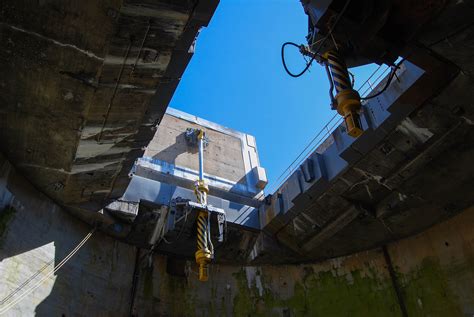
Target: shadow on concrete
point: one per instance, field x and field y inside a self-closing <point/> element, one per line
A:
<point x="180" y="146"/>
<point x="38" y="235"/>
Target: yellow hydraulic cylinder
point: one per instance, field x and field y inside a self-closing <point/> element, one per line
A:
<point x="203" y="254"/>
<point x="347" y="99"/>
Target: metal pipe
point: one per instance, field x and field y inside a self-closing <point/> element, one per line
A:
<point x="203" y="254"/>
<point x="201" y="157"/>
<point x="114" y="93"/>
<point x="135" y="277"/>
<point x="395" y="283"/>
<point x="141" y="47"/>
<point x="331" y="87"/>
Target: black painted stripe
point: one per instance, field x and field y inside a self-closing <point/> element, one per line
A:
<point x="336" y="58"/>
<point x="341" y="80"/>
<point x="202" y="224"/>
<point x="341" y="75"/>
<point x="201" y="242"/>
<point x="340" y="86"/>
<point x="339" y="71"/>
<point x="337" y="63"/>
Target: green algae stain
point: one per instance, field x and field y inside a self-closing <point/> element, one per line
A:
<point x="6" y="215"/>
<point x="320" y="294"/>
<point x="212" y="303"/>
<point x="427" y="293"/>
<point x="329" y="295"/>
<point x="181" y="297"/>
<point x="223" y="306"/>
<point x="244" y="299"/>
<point x="247" y="301"/>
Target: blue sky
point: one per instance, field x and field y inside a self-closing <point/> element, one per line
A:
<point x="236" y="79"/>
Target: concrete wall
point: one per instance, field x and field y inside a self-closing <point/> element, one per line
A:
<point x="434" y="271"/>
<point x="436" y="268"/>
<point x="345" y="287"/>
<point x="223" y="155"/>
<point x="35" y="233"/>
<point x="230" y="158"/>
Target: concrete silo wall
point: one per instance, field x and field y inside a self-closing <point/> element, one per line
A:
<point x="434" y="272"/>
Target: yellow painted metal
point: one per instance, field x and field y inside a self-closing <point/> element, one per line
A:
<point x="201" y="190"/>
<point x="203" y="255"/>
<point x="347" y="99"/>
<point x="200" y="135"/>
<point x="348" y="106"/>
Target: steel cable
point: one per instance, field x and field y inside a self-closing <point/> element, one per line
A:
<point x="42" y="280"/>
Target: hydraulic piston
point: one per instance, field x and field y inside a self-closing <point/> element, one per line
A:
<point x="347" y="100"/>
<point x="205" y="251"/>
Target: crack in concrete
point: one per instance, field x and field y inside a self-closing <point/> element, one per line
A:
<point x="369" y="176"/>
<point x="409" y="128"/>
<point x="85" y="52"/>
<point x="345" y="181"/>
<point x="61" y="170"/>
<point x="467" y="120"/>
<point x="368" y="191"/>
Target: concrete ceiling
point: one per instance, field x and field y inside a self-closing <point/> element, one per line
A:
<point x="84" y="84"/>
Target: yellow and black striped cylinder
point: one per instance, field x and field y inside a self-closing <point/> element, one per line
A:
<point x="202" y="231"/>
<point x="203" y="254"/>
<point x="339" y="72"/>
<point x="347" y="99"/>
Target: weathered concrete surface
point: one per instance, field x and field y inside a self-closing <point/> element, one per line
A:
<point x="35" y="234"/>
<point x="230" y="157"/>
<point x="77" y="93"/>
<point x="358" y="285"/>
<point x="223" y="155"/>
<point x="434" y="269"/>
